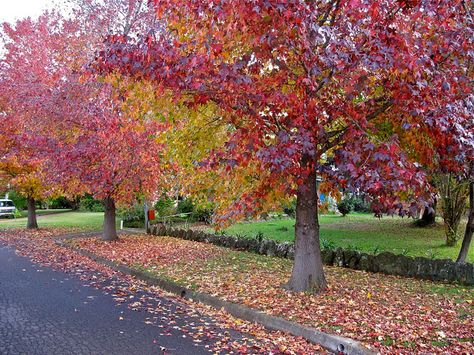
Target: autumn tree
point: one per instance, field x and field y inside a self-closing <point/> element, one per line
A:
<point x="20" y="166"/>
<point x="26" y="177"/>
<point x="93" y="138"/>
<point x="111" y="150"/>
<point x="310" y="89"/>
<point x="442" y="139"/>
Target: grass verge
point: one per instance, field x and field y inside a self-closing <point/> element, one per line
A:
<point x="80" y="220"/>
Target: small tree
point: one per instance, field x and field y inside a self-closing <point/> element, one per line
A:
<point x="454" y="196"/>
<point x="345" y="206"/>
<point x="20" y="166"/>
<point x="27" y="180"/>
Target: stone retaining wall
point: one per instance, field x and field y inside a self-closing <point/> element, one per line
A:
<point x="387" y="263"/>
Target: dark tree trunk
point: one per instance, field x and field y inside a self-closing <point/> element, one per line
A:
<point x="32" y="222"/>
<point x="307" y="273"/>
<point x="75" y="203"/>
<point x="429" y="215"/>
<point x="110" y="229"/>
<point x="466" y="242"/>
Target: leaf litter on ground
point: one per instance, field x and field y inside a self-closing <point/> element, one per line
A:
<point x="215" y="330"/>
<point x="387" y="313"/>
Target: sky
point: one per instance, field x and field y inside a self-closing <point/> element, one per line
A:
<point x="12" y="10"/>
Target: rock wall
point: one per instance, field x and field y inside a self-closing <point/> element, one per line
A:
<point x="387" y="263"/>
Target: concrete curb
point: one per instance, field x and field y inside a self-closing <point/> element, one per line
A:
<point x="333" y="343"/>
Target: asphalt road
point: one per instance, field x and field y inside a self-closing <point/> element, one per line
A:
<point x="50" y="312"/>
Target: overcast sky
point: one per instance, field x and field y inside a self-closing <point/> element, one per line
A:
<point x="12" y="10"/>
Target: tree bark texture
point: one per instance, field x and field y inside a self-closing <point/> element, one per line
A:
<point x="307" y="273"/>
<point x="32" y="222"/>
<point x="429" y="215"/>
<point x="466" y="242"/>
<point x="110" y="229"/>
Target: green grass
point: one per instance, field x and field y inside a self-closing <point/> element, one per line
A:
<point x="356" y="231"/>
<point x="365" y="233"/>
<point x="45" y="212"/>
<point x="83" y="220"/>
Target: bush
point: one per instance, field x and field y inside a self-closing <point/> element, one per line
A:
<point x="164" y="207"/>
<point x="203" y="214"/>
<point x="327" y="244"/>
<point x="290" y="208"/>
<point x="345" y="206"/>
<point x="185" y="206"/>
<point x="60" y="203"/>
<point x="360" y="205"/>
<point x="89" y="204"/>
<point x="133" y="217"/>
<point x="19" y="201"/>
<point x="324" y="207"/>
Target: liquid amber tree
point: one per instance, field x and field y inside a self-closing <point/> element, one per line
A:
<point x="310" y="89"/>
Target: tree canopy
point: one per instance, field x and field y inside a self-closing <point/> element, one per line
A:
<point x="315" y="89"/>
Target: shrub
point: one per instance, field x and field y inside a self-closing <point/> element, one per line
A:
<point x="203" y="214"/>
<point x="19" y="201"/>
<point x="89" y="204"/>
<point x="133" y="217"/>
<point x="185" y="206"/>
<point x="345" y="206"/>
<point x="59" y="203"/>
<point x="259" y="236"/>
<point x="290" y="208"/>
<point x="164" y="207"/>
<point x="324" y="207"/>
<point x="360" y="204"/>
<point x="327" y="244"/>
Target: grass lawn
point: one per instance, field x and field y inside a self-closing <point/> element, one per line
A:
<point x="45" y="212"/>
<point x="365" y="233"/>
<point x="82" y="220"/>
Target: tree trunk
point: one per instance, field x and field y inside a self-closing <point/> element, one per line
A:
<point x="110" y="230"/>
<point x="466" y="242"/>
<point x="32" y="222"/>
<point x="75" y="203"/>
<point x="454" y="195"/>
<point x="145" y="207"/>
<point x="429" y="215"/>
<point x="451" y="235"/>
<point x="307" y="273"/>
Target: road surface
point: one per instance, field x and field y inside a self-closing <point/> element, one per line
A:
<point x="51" y="312"/>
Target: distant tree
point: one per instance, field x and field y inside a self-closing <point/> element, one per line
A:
<point x="90" y="137"/>
<point x="345" y="206"/>
<point x="21" y="168"/>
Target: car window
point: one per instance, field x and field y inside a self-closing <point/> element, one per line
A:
<point x="6" y="204"/>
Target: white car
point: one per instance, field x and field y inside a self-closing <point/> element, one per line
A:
<point x="7" y="208"/>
